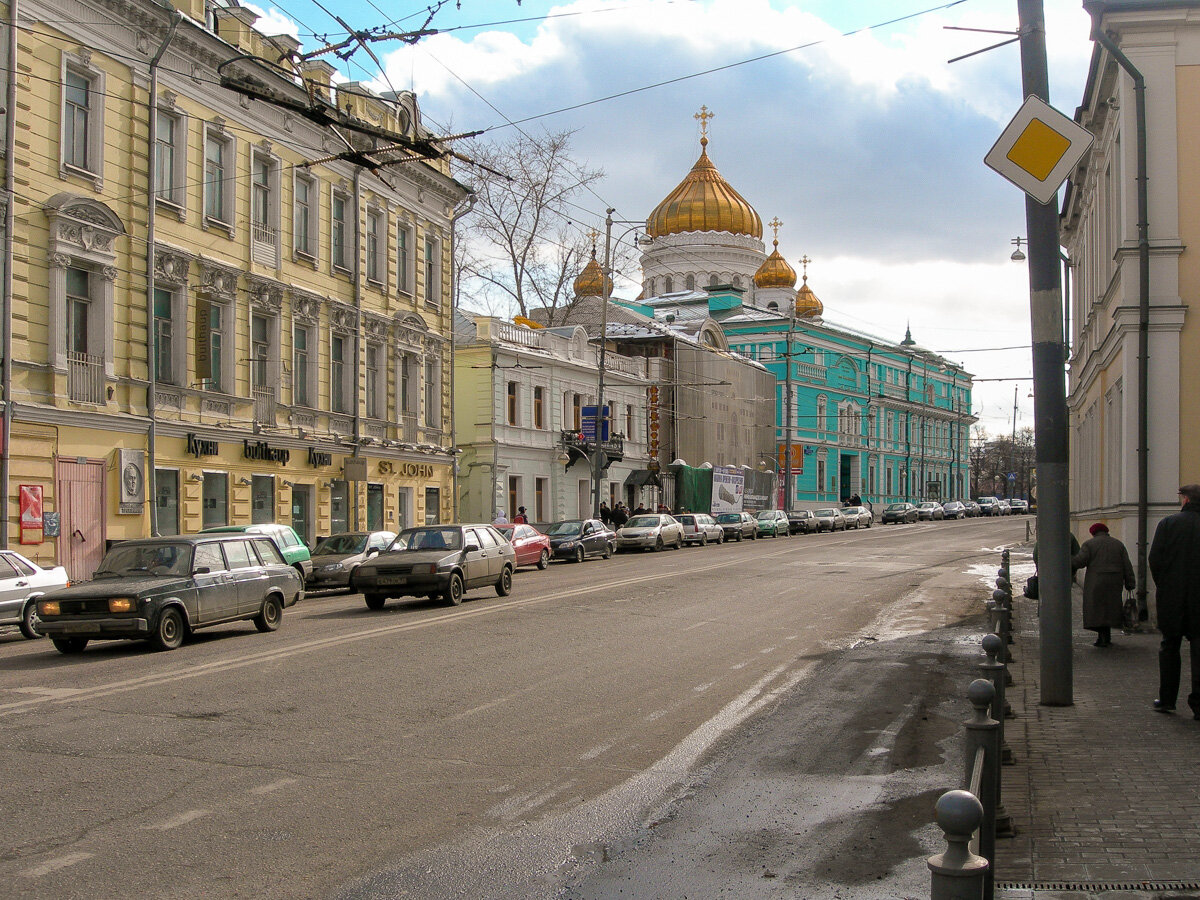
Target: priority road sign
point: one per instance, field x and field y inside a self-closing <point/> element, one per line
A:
<point x="1038" y="149"/>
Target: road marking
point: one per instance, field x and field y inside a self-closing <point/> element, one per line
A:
<point x="656" y="715"/>
<point x="767" y="650"/>
<point x="701" y="688"/>
<point x="273" y="786"/>
<point x="588" y="755"/>
<point x="53" y="865"/>
<point x="182" y="819"/>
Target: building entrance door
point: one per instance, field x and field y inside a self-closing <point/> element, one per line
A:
<point x="80" y="489"/>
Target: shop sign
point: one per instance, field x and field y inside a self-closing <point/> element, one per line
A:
<point x="199" y="447"/>
<point x="319" y="458"/>
<point x="31" y="513"/>
<point x="264" y="452"/>
<point x="355" y="468"/>
<point x="416" y="470"/>
<point x="132" y="466"/>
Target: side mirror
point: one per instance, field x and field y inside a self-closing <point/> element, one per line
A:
<point x="471" y="546"/>
<point x="374" y="551"/>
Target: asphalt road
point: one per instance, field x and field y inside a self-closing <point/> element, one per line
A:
<point x="498" y="749"/>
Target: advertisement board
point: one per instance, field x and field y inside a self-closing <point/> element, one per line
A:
<point x="728" y="489"/>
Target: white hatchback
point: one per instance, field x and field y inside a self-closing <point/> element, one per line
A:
<point x="21" y="583"/>
<point x="700" y="528"/>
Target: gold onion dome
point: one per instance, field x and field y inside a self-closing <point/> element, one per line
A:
<point x="807" y="304"/>
<point x="775" y="272"/>
<point x="591" y="281"/>
<point x="704" y="201"/>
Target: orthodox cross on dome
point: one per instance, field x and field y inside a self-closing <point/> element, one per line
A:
<point x="704" y="115"/>
<point x="774" y="226"/>
<point x="804" y="261"/>
<point x="593" y="234"/>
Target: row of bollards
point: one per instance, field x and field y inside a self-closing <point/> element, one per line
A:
<point x="974" y="817"/>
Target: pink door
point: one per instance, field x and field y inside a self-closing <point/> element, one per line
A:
<point x="81" y="508"/>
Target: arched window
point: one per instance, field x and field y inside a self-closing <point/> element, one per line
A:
<point x="668" y="285"/>
<point x="691" y="282"/>
<point x="712" y="280"/>
<point x="737" y="281"/>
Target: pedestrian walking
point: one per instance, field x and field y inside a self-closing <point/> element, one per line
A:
<point x="1175" y="565"/>
<point x="501" y="518"/>
<point x="619" y="516"/>
<point x="605" y="513"/>
<point x="520" y="518"/>
<point x="1109" y="569"/>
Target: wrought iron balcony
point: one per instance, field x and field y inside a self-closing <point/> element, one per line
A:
<point x="578" y="448"/>
<point x="85" y="377"/>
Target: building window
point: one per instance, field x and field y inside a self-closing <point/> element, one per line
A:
<point x="211" y="357"/>
<point x="215" y="499"/>
<point x="407" y="379"/>
<point x="668" y="285"/>
<point x="373" y="376"/>
<point x="260" y="351"/>
<point x="170" y="159"/>
<point x="164" y="337"/>
<point x="820" y="476"/>
<point x="82" y="120"/>
<point x="337" y="374"/>
<point x="166" y="501"/>
<point x="374" y="507"/>
<point x="433" y="395"/>
<point x="433" y="287"/>
<point x="302" y="362"/>
<point x="433" y="506"/>
<point x="338" y="252"/>
<point x="514" y="495"/>
<point x="219" y="185"/>
<point x="376" y="245"/>
<point x="690" y="282"/>
<point x="539" y="416"/>
<point x="539" y="500"/>
<point x="304" y="215"/>
<point x="629" y="422"/>
<point x="403" y="259"/>
<point x="262" y="499"/>
<point x="339" y="507"/>
<point x="512" y="403"/>
<point x="264" y="209"/>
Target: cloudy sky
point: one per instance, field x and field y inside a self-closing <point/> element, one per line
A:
<point x="842" y="118"/>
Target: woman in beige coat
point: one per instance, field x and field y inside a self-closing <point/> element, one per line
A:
<point x="1109" y="569"/>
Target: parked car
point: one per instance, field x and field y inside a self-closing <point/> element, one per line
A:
<point x="1019" y="507"/>
<point x="973" y="510"/>
<point x="652" y="531"/>
<point x="738" y="526"/>
<point x="954" y="509"/>
<point x="22" y="581"/>
<point x="336" y="557"/>
<point x="577" y="539"/>
<point x="858" y="516"/>
<point x="989" y="506"/>
<point x="899" y="514"/>
<point x="929" y="511"/>
<point x="531" y="546"/>
<point x="294" y="550"/>
<point x="1005" y="508"/>
<point x="801" y="521"/>
<point x="700" y="528"/>
<point x="435" y="561"/>
<point x="162" y="589"/>
<point x="773" y="522"/>
<point x="830" y="519"/>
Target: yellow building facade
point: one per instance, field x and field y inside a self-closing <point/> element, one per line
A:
<point x="265" y="340"/>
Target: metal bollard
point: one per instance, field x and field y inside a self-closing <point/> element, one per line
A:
<point x="982" y="746"/>
<point x="958" y="874"/>
<point x="993" y="670"/>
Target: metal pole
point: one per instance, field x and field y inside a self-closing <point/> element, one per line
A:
<point x="1050" y="399"/>
<point x="787" y="417"/>
<point x="606" y="280"/>
<point x="6" y="277"/>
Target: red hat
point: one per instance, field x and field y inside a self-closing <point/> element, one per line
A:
<point x="1099" y="526"/>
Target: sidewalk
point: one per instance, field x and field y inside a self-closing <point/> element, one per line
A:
<point x="1105" y="794"/>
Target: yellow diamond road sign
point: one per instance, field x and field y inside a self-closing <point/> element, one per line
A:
<point x="1038" y="149"/>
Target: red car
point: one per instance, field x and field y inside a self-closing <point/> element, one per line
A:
<point x="533" y="547"/>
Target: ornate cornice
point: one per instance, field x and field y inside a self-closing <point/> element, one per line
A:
<point x="218" y="280"/>
<point x="265" y="294"/>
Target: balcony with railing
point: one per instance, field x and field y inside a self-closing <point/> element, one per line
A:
<point x="85" y="377"/>
<point x="264" y="243"/>
<point x="579" y="448"/>
<point x="265" y="402"/>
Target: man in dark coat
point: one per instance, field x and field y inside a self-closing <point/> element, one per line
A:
<point x="1108" y="570"/>
<point x="1175" y="565"/>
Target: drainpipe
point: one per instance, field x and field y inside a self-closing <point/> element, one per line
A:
<point x="151" y="210"/>
<point x="358" y="228"/>
<point x="1143" y="213"/>
<point x="6" y="304"/>
<point x="455" y="452"/>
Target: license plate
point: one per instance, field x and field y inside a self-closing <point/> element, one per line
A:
<point x="76" y="628"/>
<point x="392" y="579"/>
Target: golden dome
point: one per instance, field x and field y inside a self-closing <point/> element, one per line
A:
<point x="775" y="272"/>
<point x="704" y="201"/>
<point x="591" y="281"/>
<point x="807" y="304"/>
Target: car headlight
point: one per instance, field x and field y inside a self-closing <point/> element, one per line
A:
<point x="569" y="545"/>
<point x="425" y="569"/>
<point x="48" y="608"/>
<point x="122" y="604"/>
<point x="333" y="567"/>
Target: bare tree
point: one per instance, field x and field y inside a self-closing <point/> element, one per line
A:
<point x="521" y="246"/>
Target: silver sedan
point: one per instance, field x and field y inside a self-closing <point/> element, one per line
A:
<point x="650" y="532"/>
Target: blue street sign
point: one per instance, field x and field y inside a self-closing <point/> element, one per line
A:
<point x="588" y="421"/>
<point x="1012" y="476"/>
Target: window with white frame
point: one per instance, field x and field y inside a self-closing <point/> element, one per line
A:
<point x="305" y="194"/>
<point x="264" y="207"/>
<point x="339" y="384"/>
<point x="167" y="361"/>
<point x="303" y="365"/>
<point x="81" y="140"/>
<point x="376" y="246"/>
<point x="170" y="158"/>
<point x="263" y="352"/>
<point x="513" y="410"/>
<point x="213" y="346"/>
<point x="404" y="241"/>
<point x="433" y="283"/>
<point x="219" y="176"/>
<point x="339" y="251"/>
<point x="539" y="407"/>
<point x="433" y="393"/>
<point x="407" y="379"/>
<point x="374" y="381"/>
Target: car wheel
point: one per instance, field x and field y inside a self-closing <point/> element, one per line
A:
<point x="29" y="618"/>
<point x="609" y="550"/>
<point x="168" y="633"/>
<point x="270" y="615"/>
<point x="375" y="601"/>
<point x="69" y="646"/>
<point x="453" y="595"/>
<point x="703" y="540"/>
<point x="738" y="537"/>
<point x="754" y="536"/>
<point x="579" y="554"/>
<point x="658" y="543"/>
<point x="544" y="560"/>
<point x="721" y="538"/>
<point x="504" y="585"/>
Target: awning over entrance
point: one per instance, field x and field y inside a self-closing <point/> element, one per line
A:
<point x="642" y="478"/>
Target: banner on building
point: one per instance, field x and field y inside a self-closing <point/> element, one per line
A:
<point x="728" y="489"/>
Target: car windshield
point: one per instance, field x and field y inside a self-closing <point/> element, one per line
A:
<point x="643" y="522"/>
<point x="729" y="517"/>
<point x="140" y="559"/>
<point x="826" y="513"/>
<point x="767" y="514"/>
<point x="897" y="507"/>
<point x="928" y="505"/>
<point x="569" y="527"/>
<point x="341" y="543"/>
<point x="432" y="538"/>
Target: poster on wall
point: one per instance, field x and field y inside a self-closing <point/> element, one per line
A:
<point x="728" y="488"/>
<point x="31" y="513"/>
